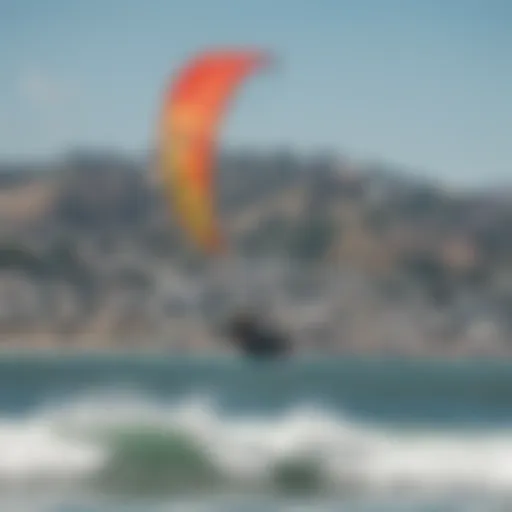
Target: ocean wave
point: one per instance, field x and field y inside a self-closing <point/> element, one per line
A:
<point x="126" y="443"/>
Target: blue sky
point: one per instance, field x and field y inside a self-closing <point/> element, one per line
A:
<point x="425" y="84"/>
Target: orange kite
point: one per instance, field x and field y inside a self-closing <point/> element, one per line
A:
<point x="193" y="107"/>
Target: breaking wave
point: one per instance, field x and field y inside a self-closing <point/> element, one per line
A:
<point x="126" y="443"/>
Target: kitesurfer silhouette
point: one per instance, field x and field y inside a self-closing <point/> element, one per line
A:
<point x="254" y="338"/>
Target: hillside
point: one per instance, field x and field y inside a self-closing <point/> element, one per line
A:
<point x="353" y="259"/>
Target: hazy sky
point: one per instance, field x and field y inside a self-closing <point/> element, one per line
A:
<point x="421" y="83"/>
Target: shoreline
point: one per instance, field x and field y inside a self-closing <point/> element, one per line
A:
<point x="79" y="353"/>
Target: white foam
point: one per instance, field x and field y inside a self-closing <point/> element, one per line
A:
<point x="33" y="450"/>
<point x="56" y="441"/>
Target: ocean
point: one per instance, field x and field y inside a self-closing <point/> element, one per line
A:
<point x="144" y="433"/>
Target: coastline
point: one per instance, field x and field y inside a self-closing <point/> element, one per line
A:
<point x="18" y="352"/>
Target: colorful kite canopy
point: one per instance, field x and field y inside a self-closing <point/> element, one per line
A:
<point x="194" y="105"/>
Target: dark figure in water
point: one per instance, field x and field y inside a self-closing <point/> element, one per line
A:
<point x="255" y="339"/>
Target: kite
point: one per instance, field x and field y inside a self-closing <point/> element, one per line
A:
<point x="195" y="102"/>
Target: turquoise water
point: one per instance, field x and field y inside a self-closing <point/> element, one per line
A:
<point x="143" y="433"/>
